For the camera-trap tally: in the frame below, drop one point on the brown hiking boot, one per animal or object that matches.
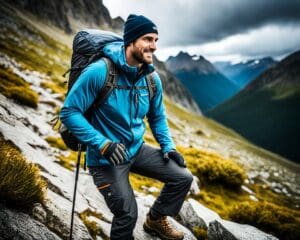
(162, 228)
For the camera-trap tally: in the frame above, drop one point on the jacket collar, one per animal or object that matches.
(116, 52)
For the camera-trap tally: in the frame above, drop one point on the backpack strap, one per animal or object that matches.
(109, 84)
(151, 85)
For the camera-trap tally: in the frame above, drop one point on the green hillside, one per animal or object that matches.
(267, 114)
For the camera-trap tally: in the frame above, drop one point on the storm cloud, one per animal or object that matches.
(199, 21)
(243, 26)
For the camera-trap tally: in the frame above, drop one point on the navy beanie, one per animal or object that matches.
(136, 26)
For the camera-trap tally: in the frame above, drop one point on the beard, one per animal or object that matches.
(138, 55)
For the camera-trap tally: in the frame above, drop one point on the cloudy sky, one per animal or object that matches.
(234, 30)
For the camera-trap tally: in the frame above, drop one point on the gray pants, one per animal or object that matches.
(114, 185)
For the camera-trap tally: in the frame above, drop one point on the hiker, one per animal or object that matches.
(114, 133)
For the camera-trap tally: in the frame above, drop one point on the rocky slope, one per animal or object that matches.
(37, 58)
(70, 15)
(51, 220)
(174, 89)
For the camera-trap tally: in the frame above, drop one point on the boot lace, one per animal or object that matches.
(166, 225)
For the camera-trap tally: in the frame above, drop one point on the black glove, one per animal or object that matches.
(176, 156)
(115, 153)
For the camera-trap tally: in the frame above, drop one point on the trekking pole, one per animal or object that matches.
(74, 194)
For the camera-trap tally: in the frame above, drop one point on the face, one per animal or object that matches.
(142, 49)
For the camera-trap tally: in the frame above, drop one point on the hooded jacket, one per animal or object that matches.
(120, 118)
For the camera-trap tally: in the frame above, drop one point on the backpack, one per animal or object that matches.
(87, 48)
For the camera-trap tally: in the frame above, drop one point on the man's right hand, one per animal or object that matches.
(115, 153)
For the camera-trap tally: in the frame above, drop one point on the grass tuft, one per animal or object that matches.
(212, 168)
(56, 143)
(16, 88)
(21, 184)
(92, 227)
(279, 221)
(200, 233)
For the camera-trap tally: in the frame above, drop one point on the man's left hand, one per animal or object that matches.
(176, 156)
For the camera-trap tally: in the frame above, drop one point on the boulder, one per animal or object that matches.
(195, 186)
(194, 214)
(144, 202)
(59, 218)
(226, 230)
(20, 226)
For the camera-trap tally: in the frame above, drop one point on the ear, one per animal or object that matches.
(129, 46)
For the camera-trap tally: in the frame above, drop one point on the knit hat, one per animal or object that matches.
(136, 26)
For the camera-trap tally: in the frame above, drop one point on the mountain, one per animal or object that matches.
(267, 110)
(174, 89)
(33, 55)
(244, 72)
(72, 16)
(207, 85)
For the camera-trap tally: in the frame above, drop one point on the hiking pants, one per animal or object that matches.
(113, 183)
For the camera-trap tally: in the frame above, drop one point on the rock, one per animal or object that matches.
(153, 189)
(194, 214)
(18, 225)
(253, 198)
(59, 217)
(104, 226)
(226, 230)
(139, 232)
(39, 213)
(195, 186)
(246, 189)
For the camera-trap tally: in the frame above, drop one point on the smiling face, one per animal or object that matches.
(141, 50)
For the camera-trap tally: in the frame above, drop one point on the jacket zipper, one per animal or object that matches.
(131, 114)
(136, 104)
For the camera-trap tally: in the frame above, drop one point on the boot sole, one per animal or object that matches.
(154, 233)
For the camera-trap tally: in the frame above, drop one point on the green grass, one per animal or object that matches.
(92, 227)
(138, 183)
(200, 233)
(279, 221)
(270, 117)
(36, 51)
(56, 142)
(16, 88)
(21, 184)
(213, 168)
(69, 160)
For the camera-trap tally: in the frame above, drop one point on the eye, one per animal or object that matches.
(148, 39)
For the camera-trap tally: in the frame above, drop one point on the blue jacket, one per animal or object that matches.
(121, 117)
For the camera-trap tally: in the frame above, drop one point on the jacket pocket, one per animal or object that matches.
(142, 107)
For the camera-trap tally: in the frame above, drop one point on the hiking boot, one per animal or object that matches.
(162, 228)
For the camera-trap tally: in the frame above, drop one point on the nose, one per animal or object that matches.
(153, 46)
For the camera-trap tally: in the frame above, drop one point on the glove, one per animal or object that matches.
(176, 156)
(115, 153)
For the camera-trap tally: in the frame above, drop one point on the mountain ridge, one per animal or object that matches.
(264, 111)
(207, 85)
(243, 73)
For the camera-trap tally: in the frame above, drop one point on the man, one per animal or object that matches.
(114, 135)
